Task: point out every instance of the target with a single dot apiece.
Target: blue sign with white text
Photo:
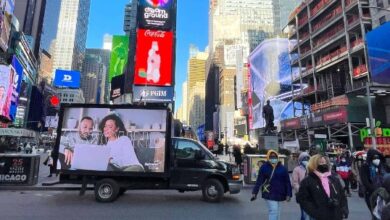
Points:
(67, 78)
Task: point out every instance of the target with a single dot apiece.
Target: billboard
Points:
(67, 78)
(156, 14)
(6, 90)
(153, 94)
(270, 79)
(17, 81)
(154, 58)
(119, 55)
(117, 86)
(379, 54)
(111, 139)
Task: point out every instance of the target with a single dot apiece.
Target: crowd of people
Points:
(321, 185)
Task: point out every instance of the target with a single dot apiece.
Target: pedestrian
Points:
(343, 168)
(320, 194)
(28, 148)
(357, 163)
(379, 199)
(274, 182)
(49, 162)
(372, 173)
(299, 173)
(237, 156)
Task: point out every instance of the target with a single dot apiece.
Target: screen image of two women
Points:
(122, 157)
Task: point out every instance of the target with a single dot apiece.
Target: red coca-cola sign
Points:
(154, 55)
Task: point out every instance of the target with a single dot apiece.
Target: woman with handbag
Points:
(274, 182)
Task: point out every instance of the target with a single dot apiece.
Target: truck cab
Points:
(194, 167)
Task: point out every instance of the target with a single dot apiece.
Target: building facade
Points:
(72, 33)
(334, 73)
(50, 25)
(381, 14)
(196, 105)
(94, 81)
(70, 96)
(30, 14)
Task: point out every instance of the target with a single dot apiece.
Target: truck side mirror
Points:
(200, 155)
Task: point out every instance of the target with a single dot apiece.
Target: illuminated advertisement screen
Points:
(155, 14)
(67, 78)
(270, 79)
(7, 75)
(17, 81)
(154, 58)
(112, 140)
(119, 55)
(379, 53)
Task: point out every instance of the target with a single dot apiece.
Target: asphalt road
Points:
(67, 205)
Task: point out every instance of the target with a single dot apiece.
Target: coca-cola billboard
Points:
(154, 55)
(156, 14)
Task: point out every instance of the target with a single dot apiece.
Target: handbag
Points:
(267, 183)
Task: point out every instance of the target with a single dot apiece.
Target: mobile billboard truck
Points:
(119, 148)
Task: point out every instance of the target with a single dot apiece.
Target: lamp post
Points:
(370, 115)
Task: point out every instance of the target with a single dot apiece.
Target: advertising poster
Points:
(117, 86)
(67, 78)
(5, 32)
(156, 14)
(119, 55)
(379, 54)
(17, 81)
(154, 58)
(7, 75)
(112, 139)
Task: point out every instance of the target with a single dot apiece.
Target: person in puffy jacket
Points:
(299, 173)
(320, 194)
(274, 182)
(343, 168)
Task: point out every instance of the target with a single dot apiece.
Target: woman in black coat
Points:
(320, 194)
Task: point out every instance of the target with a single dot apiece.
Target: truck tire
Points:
(212, 190)
(106, 190)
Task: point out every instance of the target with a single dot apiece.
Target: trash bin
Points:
(252, 164)
(19, 169)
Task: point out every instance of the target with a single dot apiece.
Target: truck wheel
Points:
(106, 190)
(212, 190)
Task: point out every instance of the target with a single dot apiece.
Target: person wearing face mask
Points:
(357, 163)
(299, 173)
(320, 194)
(372, 173)
(275, 185)
(343, 168)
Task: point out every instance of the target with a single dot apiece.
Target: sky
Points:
(192, 28)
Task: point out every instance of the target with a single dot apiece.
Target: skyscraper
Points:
(196, 87)
(30, 14)
(243, 22)
(50, 25)
(185, 102)
(130, 19)
(72, 34)
(94, 80)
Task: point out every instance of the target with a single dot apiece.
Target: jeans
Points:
(273, 210)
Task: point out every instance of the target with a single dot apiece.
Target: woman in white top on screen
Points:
(123, 157)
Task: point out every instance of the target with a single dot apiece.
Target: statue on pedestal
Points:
(268, 115)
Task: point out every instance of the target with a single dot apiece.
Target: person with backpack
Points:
(274, 182)
(380, 199)
(299, 173)
(372, 173)
(320, 194)
(49, 162)
(343, 168)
